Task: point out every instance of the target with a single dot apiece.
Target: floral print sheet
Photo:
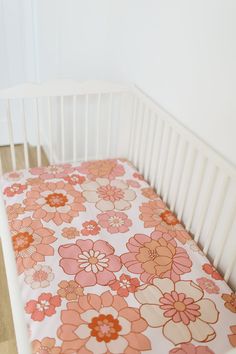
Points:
(105, 267)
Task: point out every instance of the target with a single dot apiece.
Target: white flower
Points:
(39, 276)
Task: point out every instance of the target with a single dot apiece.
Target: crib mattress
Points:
(105, 267)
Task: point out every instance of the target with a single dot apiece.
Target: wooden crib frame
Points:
(196, 182)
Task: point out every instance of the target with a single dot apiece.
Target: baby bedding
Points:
(105, 267)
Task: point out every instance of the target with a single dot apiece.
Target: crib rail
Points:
(196, 182)
(71, 121)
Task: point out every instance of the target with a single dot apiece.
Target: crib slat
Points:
(26, 152)
(205, 204)
(156, 152)
(227, 225)
(169, 163)
(39, 157)
(98, 124)
(109, 125)
(1, 169)
(196, 192)
(143, 141)
(139, 134)
(216, 214)
(74, 129)
(62, 130)
(152, 130)
(176, 179)
(230, 266)
(132, 128)
(86, 130)
(162, 161)
(50, 130)
(11, 139)
(186, 179)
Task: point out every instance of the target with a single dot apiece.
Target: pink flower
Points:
(91, 262)
(189, 348)
(125, 285)
(13, 176)
(90, 228)
(15, 189)
(208, 285)
(74, 179)
(58, 202)
(53, 171)
(44, 306)
(31, 242)
(114, 222)
(156, 255)
(138, 176)
(102, 324)
(132, 183)
(102, 169)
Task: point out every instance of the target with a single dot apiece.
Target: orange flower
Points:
(13, 211)
(149, 193)
(70, 232)
(209, 269)
(232, 337)
(155, 214)
(90, 228)
(107, 321)
(230, 301)
(104, 169)
(69, 290)
(47, 345)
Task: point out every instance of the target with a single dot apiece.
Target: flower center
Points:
(110, 193)
(105, 328)
(125, 283)
(22, 241)
(180, 306)
(93, 261)
(169, 218)
(56, 200)
(116, 221)
(40, 275)
(42, 305)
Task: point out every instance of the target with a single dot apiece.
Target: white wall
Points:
(183, 54)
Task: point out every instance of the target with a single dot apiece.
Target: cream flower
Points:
(39, 276)
(179, 308)
(108, 195)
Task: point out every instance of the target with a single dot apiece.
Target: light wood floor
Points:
(7, 335)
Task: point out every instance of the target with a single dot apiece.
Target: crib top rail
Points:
(62, 88)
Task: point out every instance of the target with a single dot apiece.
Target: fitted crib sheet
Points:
(105, 267)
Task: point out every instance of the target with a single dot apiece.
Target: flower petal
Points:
(208, 311)
(201, 331)
(148, 294)
(165, 285)
(153, 315)
(83, 331)
(190, 289)
(177, 332)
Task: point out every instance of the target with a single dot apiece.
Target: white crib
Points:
(75, 121)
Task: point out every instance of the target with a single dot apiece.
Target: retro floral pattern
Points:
(156, 255)
(91, 262)
(31, 242)
(58, 202)
(103, 324)
(155, 214)
(108, 195)
(180, 309)
(105, 267)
